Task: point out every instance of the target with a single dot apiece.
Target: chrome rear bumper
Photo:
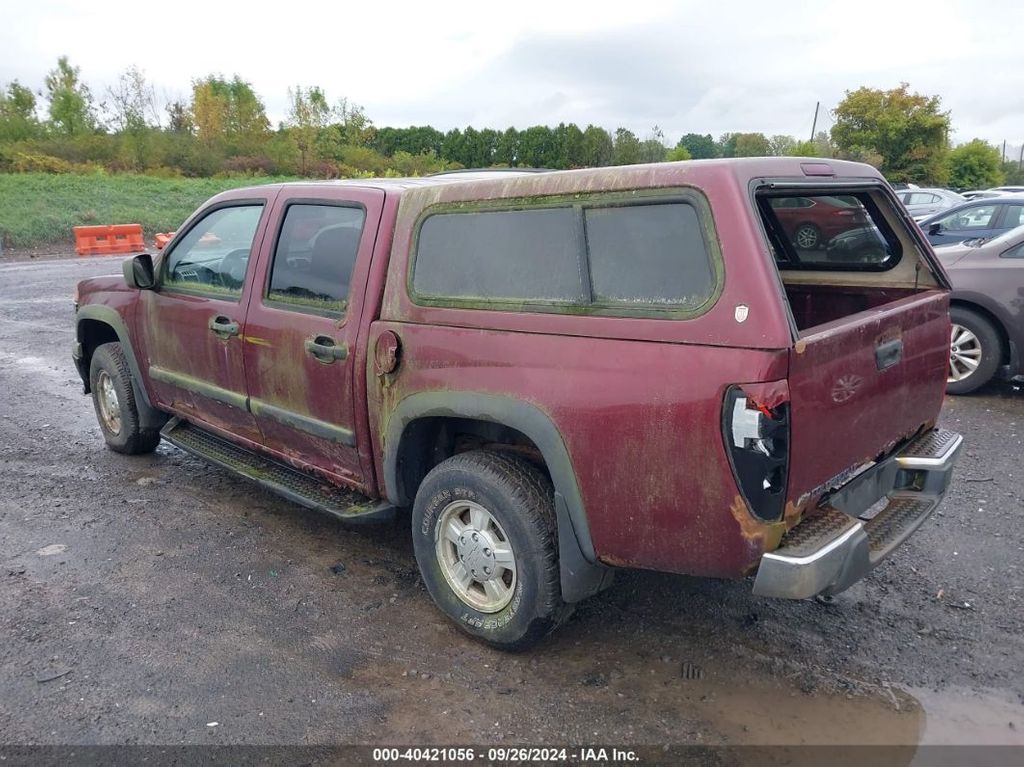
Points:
(830, 551)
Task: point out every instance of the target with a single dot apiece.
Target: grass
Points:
(38, 209)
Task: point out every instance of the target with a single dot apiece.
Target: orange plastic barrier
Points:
(162, 238)
(103, 240)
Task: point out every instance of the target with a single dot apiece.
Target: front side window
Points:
(213, 256)
(315, 256)
(617, 259)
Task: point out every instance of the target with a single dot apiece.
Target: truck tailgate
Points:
(863, 383)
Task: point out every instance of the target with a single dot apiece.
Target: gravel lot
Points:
(144, 599)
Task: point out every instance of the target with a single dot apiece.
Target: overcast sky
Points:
(703, 67)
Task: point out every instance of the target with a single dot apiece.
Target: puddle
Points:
(958, 716)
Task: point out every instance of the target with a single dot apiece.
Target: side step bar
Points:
(298, 486)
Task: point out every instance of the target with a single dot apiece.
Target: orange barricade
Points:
(103, 240)
(162, 238)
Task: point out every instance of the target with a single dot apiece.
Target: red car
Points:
(552, 375)
(810, 222)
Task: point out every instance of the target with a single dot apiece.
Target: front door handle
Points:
(326, 349)
(223, 326)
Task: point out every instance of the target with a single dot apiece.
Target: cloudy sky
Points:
(704, 67)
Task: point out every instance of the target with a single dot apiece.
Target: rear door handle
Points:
(326, 349)
(223, 326)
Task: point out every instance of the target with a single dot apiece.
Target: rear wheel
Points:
(974, 351)
(486, 542)
(110, 380)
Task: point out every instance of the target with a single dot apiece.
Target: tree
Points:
(308, 115)
(908, 131)
(652, 148)
(780, 146)
(751, 145)
(71, 108)
(179, 118)
(975, 165)
(679, 153)
(228, 111)
(627, 148)
(598, 147)
(131, 110)
(699, 147)
(726, 145)
(18, 119)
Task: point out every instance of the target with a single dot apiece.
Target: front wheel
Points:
(974, 351)
(110, 380)
(486, 541)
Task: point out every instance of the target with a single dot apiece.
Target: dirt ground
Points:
(159, 600)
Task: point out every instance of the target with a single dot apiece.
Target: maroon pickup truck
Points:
(554, 374)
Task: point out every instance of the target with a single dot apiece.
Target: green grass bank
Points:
(39, 209)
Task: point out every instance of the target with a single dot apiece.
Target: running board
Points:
(293, 484)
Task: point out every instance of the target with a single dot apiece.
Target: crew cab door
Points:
(191, 324)
(302, 327)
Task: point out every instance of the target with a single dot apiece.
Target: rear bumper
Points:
(829, 552)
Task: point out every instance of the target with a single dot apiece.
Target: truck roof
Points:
(743, 168)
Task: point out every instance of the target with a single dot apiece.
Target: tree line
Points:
(223, 128)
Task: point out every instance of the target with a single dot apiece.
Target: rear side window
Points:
(314, 258)
(648, 254)
(837, 232)
(507, 255)
(621, 259)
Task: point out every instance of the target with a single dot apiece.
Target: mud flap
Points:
(580, 578)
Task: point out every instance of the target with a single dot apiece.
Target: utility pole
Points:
(814, 124)
(1004, 150)
(1020, 162)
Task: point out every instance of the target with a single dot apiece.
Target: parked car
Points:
(978, 218)
(1008, 189)
(925, 202)
(977, 194)
(554, 375)
(810, 222)
(987, 310)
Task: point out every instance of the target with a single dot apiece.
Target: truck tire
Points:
(486, 541)
(974, 341)
(110, 380)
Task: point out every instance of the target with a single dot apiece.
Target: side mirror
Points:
(934, 228)
(138, 272)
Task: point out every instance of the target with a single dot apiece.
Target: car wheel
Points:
(974, 351)
(110, 381)
(486, 542)
(807, 237)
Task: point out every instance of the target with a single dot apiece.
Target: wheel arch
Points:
(581, 574)
(962, 302)
(97, 325)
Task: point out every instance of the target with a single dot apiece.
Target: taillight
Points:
(757, 441)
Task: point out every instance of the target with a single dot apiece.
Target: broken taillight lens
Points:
(757, 441)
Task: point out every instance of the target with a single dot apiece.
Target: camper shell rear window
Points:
(828, 230)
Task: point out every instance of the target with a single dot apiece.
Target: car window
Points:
(844, 232)
(314, 257)
(1015, 252)
(647, 256)
(1013, 216)
(979, 217)
(923, 198)
(213, 256)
